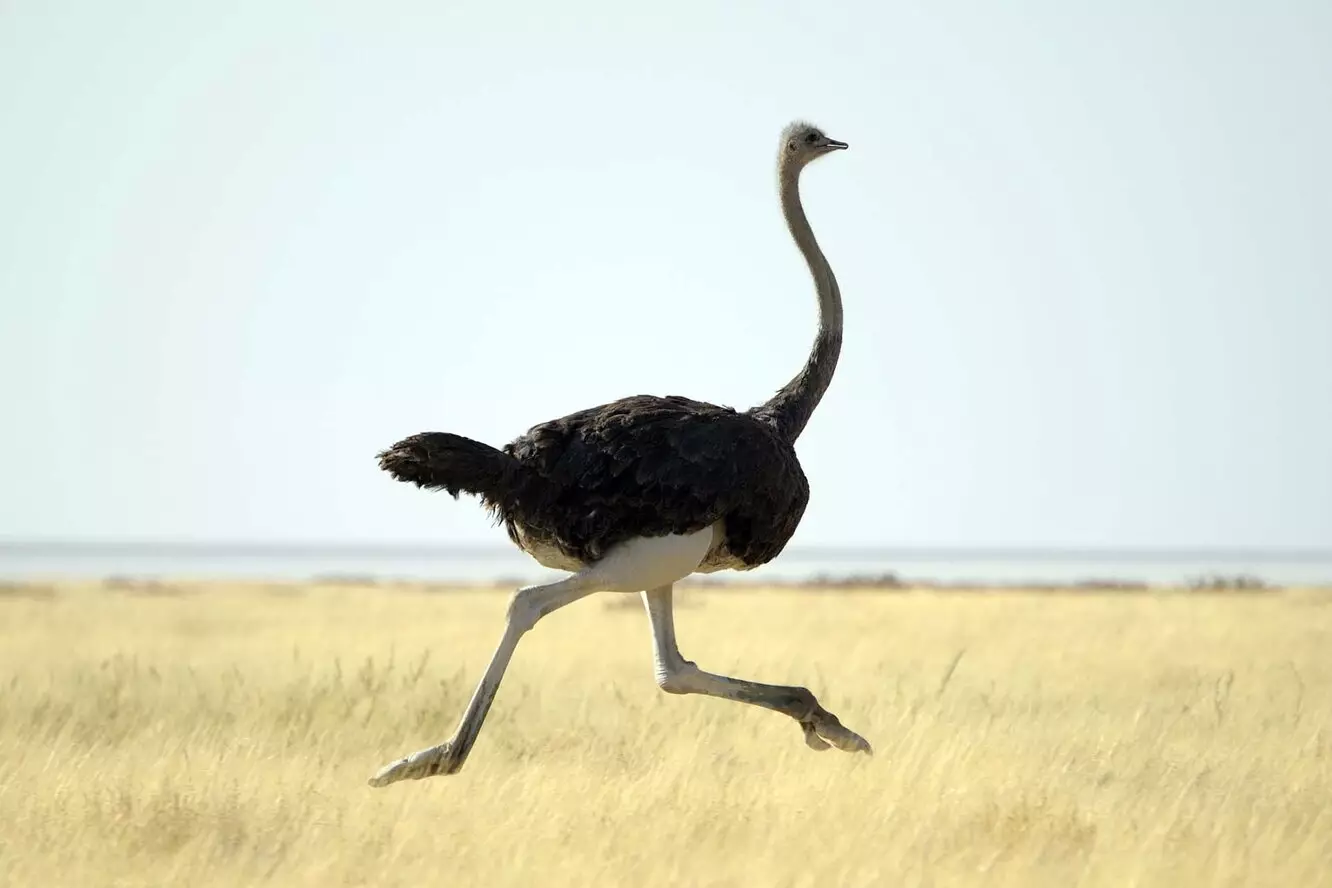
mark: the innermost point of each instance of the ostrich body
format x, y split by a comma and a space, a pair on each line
639, 493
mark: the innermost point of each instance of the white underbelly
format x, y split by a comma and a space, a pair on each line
550, 556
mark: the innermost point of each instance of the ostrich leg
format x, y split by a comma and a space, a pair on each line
527, 607
637, 564
676, 675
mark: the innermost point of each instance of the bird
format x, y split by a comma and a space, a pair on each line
636, 494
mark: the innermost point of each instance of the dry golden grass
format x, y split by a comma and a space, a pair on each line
223, 736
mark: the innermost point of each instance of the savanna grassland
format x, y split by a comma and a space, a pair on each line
214, 735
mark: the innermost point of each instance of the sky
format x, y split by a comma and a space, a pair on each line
1083, 250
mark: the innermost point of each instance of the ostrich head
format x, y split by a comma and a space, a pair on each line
804, 142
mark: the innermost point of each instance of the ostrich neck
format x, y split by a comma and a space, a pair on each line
791, 407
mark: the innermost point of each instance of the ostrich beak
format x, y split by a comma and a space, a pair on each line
833, 143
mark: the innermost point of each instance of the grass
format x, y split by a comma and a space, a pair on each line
222, 735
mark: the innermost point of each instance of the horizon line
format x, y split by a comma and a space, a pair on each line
811, 552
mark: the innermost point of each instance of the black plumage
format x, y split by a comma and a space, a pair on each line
639, 466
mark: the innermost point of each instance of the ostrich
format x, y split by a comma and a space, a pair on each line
635, 495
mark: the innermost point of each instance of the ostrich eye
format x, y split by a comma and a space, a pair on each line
812, 138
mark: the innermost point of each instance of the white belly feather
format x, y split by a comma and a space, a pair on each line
550, 556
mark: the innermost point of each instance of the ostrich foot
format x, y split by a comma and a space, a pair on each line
823, 729
427, 763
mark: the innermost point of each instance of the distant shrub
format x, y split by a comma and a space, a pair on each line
1232, 583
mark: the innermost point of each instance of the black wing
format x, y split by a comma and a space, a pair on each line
650, 466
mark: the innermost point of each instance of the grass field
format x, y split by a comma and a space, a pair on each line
223, 735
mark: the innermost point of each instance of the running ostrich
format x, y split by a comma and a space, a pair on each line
637, 494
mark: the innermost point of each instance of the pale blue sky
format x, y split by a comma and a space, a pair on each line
1084, 250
